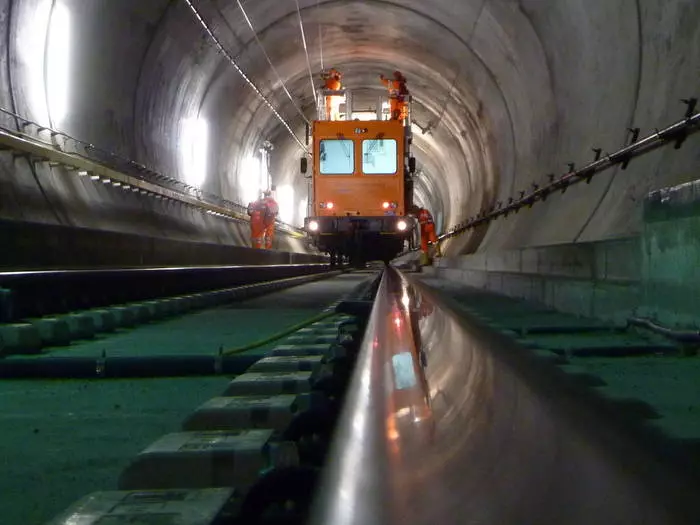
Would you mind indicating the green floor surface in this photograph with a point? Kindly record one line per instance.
(61, 440)
(671, 385)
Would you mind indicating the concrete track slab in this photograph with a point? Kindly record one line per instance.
(64, 439)
(232, 326)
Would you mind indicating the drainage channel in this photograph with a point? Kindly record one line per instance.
(252, 454)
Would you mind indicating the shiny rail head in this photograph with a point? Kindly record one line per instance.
(441, 425)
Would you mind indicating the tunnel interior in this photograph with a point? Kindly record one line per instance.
(505, 93)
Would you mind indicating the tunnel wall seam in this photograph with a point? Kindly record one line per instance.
(635, 106)
(139, 77)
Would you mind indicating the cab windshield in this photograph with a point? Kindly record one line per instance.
(379, 157)
(336, 157)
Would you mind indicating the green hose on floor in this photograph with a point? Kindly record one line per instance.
(280, 335)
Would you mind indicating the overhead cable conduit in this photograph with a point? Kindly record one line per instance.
(245, 77)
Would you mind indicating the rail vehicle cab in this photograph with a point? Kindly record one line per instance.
(361, 182)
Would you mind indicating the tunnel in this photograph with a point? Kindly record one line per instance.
(506, 92)
(188, 109)
(215, 94)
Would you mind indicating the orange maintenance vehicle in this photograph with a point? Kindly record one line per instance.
(361, 192)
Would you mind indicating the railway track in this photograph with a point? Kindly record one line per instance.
(467, 407)
(48, 308)
(520, 397)
(262, 418)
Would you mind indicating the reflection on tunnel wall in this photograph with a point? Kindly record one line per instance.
(44, 52)
(194, 146)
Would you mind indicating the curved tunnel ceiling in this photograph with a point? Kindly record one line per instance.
(504, 91)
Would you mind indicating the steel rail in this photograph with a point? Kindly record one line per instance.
(445, 422)
(245, 77)
(269, 61)
(677, 133)
(16, 275)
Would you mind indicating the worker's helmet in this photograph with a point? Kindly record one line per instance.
(267, 193)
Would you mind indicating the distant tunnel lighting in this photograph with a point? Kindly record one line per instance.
(303, 210)
(194, 144)
(31, 48)
(285, 200)
(58, 63)
(249, 179)
(364, 115)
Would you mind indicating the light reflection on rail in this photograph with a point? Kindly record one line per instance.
(440, 426)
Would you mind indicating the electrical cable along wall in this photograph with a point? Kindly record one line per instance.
(676, 133)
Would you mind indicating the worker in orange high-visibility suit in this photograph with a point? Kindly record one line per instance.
(271, 212)
(332, 81)
(427, 233)
(397, 95)
(256, 211)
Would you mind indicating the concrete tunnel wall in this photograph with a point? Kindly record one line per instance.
(510, 90)
(63, 214)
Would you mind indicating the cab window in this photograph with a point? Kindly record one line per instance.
(336, 157)
(379, 157)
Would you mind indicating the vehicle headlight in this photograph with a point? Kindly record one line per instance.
(401, 225)
(313, 226)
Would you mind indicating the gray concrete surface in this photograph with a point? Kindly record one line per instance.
(653, 274)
